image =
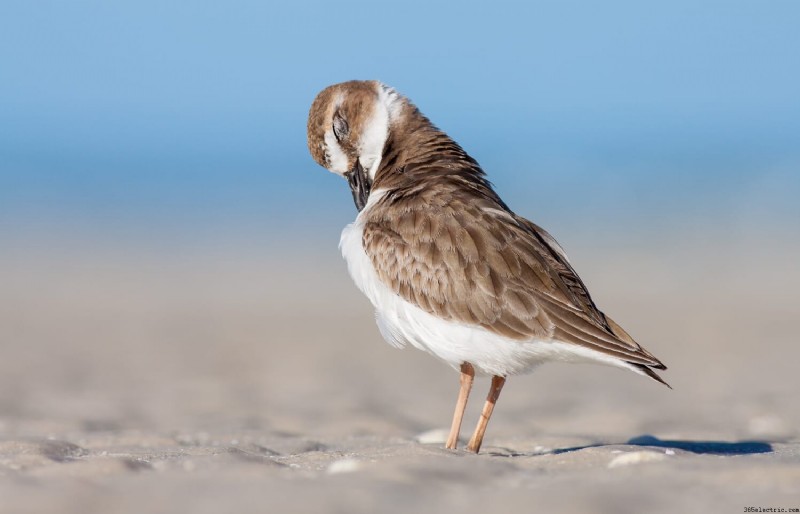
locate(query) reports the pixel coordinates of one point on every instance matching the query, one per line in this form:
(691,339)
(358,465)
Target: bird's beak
(359,185)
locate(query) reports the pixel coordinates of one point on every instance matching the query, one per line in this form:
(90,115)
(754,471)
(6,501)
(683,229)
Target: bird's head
(348,126)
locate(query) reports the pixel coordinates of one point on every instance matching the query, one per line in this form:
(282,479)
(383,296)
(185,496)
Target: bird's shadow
(698,447)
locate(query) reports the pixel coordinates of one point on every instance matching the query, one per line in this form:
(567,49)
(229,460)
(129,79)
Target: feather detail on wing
(471,261)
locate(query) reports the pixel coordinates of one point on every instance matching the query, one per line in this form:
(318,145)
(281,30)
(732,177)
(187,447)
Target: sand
(245,379)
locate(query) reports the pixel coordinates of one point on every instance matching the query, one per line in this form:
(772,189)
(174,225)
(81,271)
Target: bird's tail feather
(645,370)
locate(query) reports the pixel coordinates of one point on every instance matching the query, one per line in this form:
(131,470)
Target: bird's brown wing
(469,260)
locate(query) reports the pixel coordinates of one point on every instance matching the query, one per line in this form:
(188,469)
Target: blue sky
(192,114)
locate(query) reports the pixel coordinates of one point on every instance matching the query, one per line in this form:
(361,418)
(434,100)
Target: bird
(449,268)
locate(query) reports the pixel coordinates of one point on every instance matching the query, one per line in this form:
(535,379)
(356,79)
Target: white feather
(373,138)
(337,159)
(385,112)
(392,100)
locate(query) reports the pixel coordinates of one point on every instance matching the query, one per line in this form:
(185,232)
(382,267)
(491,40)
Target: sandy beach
(178,330)
(135,379)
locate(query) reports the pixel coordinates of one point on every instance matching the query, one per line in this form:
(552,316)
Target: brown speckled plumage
(444,241)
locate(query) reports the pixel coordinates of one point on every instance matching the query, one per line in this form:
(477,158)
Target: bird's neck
(415,147)
(419,155)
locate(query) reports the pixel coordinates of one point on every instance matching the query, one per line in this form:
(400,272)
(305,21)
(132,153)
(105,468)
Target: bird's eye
(340,127)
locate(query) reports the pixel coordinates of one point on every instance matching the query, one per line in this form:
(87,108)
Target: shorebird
(448,266)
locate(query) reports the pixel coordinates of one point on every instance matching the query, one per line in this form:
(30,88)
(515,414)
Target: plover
(448,266)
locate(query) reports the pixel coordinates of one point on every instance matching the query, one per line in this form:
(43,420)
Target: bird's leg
(494,392)
(467,376)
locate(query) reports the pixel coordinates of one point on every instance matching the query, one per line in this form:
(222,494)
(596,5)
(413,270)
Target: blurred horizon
(170,122)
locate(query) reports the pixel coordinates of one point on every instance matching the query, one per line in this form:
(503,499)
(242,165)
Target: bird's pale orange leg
(467,376)
(494,393)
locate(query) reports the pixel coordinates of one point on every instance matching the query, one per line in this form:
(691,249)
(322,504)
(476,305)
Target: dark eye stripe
(340,127)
